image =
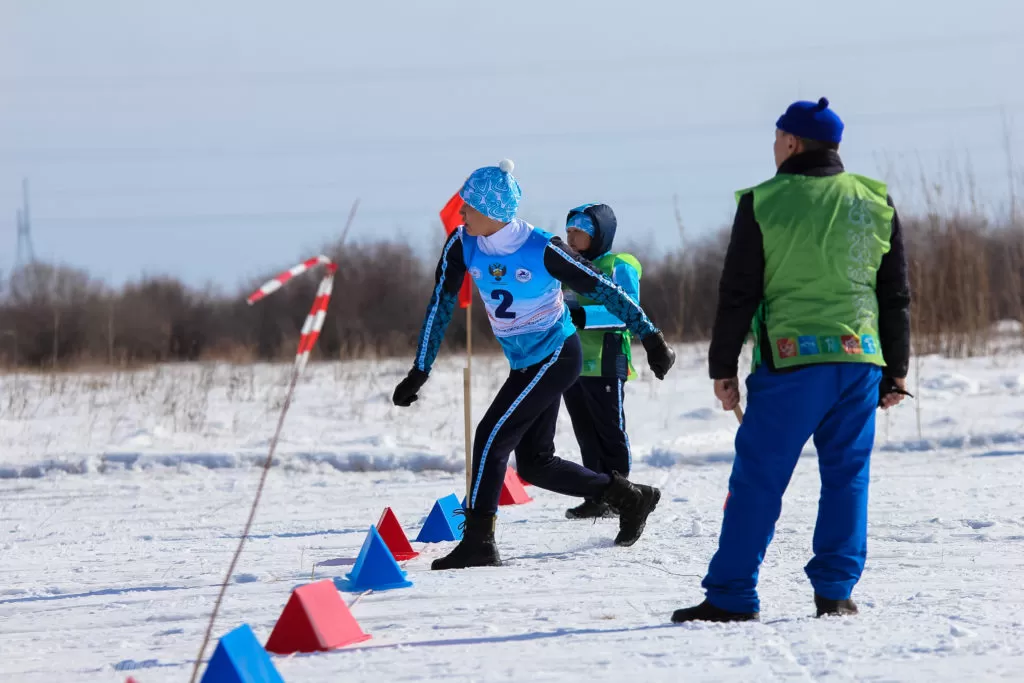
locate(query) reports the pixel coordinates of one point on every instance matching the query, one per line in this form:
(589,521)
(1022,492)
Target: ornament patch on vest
(808,346)
(869,345)
(523,275)
(851,344)
(475,272)
(831,344)
(497,270)
(787,347)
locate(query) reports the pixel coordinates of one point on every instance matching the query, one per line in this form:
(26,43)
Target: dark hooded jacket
(606,347)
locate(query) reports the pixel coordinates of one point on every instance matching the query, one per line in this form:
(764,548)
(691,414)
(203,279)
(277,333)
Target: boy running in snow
(816,263)
(518,270)
(595,401)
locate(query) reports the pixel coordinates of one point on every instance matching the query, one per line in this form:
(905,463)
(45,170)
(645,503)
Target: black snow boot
(476,549)
(634,503)
(834,608)
(590,509)
(705,611)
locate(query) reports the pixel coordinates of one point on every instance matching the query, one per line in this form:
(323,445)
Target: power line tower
(26,253)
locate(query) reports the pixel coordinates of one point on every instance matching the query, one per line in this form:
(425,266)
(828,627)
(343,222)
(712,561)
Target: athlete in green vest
(815,270)
(595,401)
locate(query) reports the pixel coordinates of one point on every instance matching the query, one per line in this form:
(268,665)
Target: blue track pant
(522,417)
(836,405)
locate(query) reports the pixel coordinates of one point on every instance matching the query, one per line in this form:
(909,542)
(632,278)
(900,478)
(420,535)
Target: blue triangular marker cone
(442,523)
(452,510)
(239,658)
(375,568)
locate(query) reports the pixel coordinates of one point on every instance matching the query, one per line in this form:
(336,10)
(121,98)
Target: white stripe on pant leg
(622,423)
(508,413)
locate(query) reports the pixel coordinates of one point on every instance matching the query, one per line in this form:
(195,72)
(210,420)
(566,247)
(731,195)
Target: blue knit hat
(812,120)
(581,221)
(493,191)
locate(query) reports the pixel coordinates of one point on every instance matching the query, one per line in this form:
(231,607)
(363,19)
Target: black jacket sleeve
(893,290)
(740,291)
(451,269)
(568,267)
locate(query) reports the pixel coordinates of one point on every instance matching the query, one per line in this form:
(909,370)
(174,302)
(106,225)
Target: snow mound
(372,460)
(954,442)
(670,457)
(1012,383)
(1008,327)
(133,665)
(950,383)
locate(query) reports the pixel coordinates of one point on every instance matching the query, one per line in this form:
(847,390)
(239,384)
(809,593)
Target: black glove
(888,386)
(660,356)
(406,391)
(579,317)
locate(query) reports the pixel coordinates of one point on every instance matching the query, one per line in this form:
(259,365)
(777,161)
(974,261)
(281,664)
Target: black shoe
(590,509)
(634,503)
(477,547)
(705,611)
(834,608)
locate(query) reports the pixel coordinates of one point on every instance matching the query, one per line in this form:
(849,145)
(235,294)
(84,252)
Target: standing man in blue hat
(816,270)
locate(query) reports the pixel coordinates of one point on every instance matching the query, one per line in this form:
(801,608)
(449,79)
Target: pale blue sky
(219,139)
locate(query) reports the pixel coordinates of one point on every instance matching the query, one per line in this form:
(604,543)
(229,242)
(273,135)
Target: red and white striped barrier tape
(315,320)
(276,283)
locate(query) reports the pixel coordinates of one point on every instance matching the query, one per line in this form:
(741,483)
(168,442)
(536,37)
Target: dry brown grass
(966,269)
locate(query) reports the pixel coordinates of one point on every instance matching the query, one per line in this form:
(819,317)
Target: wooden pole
(738,412)
(467,383)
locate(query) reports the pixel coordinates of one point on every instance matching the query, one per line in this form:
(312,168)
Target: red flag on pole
(451,219)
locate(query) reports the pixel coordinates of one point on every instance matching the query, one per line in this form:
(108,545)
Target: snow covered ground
(122,497)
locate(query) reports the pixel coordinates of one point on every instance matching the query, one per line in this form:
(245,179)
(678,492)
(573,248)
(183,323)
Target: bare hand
(728,392)
(893,398)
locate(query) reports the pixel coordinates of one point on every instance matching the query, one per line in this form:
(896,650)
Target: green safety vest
(596,343)
(824,238)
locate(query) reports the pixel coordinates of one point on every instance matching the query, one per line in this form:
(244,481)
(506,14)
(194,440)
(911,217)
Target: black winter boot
(590,509)
(634,503)
(705,611)
(476,549)
(834,608)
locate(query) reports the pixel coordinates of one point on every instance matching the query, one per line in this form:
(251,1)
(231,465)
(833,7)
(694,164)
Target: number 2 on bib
(506,301)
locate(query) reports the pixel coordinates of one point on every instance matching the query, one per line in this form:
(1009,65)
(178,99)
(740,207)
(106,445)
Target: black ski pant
(522,418)
(595,406)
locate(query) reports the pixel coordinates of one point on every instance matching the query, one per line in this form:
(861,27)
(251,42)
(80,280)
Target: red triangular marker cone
(512,491)
(314,620)
(394,536)
(520,478)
